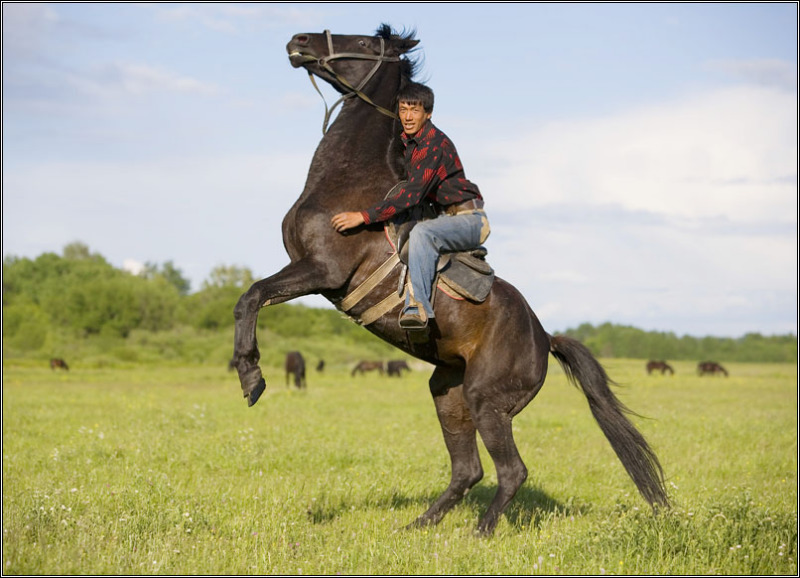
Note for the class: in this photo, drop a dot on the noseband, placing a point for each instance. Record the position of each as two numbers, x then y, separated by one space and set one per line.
354 90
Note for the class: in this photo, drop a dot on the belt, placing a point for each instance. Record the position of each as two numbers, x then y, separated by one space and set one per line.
463 207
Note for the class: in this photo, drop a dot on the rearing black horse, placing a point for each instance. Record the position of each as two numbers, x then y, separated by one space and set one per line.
490 358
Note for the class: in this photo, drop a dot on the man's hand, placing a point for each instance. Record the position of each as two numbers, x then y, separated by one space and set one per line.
349 220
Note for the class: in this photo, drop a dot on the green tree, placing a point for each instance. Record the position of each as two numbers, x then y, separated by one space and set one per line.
25 325
76 250
212 308
84 293
229 276
170 273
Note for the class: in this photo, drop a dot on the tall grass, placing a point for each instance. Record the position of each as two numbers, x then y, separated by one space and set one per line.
166 471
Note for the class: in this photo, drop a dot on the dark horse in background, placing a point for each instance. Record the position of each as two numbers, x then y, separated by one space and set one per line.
396 367
490 358
661 366
58 363
295 365
711 367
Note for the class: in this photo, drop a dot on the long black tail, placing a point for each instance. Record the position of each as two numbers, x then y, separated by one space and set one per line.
640 461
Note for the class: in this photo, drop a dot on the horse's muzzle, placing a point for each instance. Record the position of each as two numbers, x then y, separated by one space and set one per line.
298 59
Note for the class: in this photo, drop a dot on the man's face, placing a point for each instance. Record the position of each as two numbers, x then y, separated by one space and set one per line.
413 116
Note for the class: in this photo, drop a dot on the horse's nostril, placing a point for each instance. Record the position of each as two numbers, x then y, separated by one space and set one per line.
301 38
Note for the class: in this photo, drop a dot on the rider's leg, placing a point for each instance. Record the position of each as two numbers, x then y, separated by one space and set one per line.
428 240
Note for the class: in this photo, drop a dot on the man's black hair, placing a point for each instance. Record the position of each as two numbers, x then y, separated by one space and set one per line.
416 93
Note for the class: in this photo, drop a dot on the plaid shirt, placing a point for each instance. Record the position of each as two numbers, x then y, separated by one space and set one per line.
434 173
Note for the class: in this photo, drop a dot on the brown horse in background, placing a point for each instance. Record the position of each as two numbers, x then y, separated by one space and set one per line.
711 367
58 363
295 365
490 358
661 366
364 366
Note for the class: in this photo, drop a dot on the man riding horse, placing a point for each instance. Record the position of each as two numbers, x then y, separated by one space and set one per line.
434 175
490 355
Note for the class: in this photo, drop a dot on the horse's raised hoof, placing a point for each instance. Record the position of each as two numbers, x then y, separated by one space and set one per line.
255 393
253 384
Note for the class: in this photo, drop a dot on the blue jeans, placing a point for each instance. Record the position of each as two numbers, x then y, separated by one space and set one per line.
428 239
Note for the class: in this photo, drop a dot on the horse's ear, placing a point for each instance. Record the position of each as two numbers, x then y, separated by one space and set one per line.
402 41
408 44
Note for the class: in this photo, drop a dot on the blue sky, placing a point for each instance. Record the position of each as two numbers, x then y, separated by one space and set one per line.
639 161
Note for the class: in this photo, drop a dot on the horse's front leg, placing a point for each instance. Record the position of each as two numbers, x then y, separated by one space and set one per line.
303 277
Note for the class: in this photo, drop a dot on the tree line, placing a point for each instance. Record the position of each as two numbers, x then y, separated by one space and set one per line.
56 299
79 305
609 340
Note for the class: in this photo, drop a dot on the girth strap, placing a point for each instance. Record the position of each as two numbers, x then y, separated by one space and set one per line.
377 311
355 296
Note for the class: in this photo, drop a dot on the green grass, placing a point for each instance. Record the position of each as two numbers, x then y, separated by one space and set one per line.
167 471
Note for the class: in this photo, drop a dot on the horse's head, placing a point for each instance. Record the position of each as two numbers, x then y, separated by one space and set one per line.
349 62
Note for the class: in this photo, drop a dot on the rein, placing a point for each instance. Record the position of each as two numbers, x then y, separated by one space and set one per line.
354 90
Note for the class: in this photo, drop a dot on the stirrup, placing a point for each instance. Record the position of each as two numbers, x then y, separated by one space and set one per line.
413 321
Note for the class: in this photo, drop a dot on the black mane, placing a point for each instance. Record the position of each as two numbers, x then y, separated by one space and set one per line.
409 65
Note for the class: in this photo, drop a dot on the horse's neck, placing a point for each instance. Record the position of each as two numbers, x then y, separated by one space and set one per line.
360 148
351 171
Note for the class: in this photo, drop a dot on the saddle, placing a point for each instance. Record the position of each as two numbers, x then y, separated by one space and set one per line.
461 275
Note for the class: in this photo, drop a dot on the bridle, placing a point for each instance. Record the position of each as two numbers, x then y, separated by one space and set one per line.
354 90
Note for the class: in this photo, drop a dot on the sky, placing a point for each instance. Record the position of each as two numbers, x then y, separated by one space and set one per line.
638 161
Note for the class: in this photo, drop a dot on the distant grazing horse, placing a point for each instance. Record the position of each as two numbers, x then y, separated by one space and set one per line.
490 358
396 368
295 365
364 366
661 366
58 363
321 365
711 367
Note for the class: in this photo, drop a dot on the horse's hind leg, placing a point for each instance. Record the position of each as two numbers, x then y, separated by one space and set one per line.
460 438
459 425
497 436
497 386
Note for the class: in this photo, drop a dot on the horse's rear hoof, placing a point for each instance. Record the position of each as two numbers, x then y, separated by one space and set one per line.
255 393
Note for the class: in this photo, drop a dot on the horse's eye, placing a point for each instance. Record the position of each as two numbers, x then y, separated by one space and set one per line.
362 43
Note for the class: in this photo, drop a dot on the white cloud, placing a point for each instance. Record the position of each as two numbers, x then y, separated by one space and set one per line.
197 212
656 277
678 217
138 79
772 73
731 153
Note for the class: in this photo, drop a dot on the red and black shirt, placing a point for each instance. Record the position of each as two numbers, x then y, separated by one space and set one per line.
434 173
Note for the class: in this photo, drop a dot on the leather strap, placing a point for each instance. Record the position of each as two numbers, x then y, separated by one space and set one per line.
354 90
375 312
354 297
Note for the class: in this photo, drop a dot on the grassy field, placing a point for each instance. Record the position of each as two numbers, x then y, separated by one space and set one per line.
167 471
